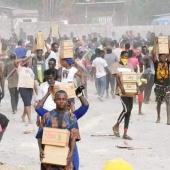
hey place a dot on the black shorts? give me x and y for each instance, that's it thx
(26, 95)
(162, 93)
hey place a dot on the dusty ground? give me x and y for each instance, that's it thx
(150, 139)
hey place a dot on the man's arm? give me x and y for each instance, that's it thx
(42, 101)
(1, 83)
(119, 83)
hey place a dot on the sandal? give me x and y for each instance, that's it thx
(116, 131)
(127, 137)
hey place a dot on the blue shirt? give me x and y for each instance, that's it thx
(20, 52)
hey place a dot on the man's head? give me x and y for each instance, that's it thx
(162, 58)
(12, 56)
(61, 100)
(127, 46)
(20, 43)
(3, 124)
(67, 62)
(52, 63)
(55, 47)
(124, 57)
(144, 50)
(50, 77)
(39, 53)
(108, 50)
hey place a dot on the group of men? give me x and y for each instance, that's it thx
(103, 60)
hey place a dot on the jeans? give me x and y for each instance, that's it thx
(14, 93)
(110, 79)
(101, 85)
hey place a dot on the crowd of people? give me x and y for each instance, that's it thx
(33, 73)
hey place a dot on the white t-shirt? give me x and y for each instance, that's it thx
(49, 103)
(68, 74)
(117, 52)
(100, 64)
(55, 56)
(25, 77)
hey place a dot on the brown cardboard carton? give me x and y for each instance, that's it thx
(40, 44)
(56, 137)
(66, 50)
(129, 77)
(55, 155)
(130, 88)
(163, 45)
(69, 88)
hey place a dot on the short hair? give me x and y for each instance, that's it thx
(52, 59)
(127, 46)
(61, 92)
(108, 50)
(54, 43)
(50, 72)
(20, 42)
(123, 53)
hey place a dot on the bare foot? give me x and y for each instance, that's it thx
(158, 120)
(116, 131)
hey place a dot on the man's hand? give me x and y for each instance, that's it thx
(41, 155)
(69, 159)
(79, 90)
(123, 91)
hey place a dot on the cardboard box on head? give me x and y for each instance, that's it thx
(161, 45)
(66, 49)
(69, 88)
(39, 41)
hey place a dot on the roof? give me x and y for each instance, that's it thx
(25, 13)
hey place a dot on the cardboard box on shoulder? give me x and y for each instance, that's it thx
(55, 155)
(55, 137)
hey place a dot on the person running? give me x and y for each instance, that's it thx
(126, 101)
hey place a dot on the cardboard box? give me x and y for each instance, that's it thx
(66, 50)
(129, 77)
(69, 88)
(163, 45)
(55, 155)
(130, 88)
(40, 44)
(55, 137)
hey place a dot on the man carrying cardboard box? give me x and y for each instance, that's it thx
(60, 118)
(80, 112)
(127, 101)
